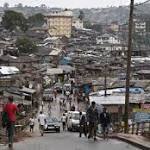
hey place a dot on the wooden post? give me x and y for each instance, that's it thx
(143, 126)
(137, 129)
(133, 125)
(149, 127)
(128, 66)
(105, 81)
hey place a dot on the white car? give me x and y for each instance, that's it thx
(73, 120)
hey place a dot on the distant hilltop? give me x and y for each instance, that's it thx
(95, 15)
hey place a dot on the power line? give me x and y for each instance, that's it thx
(147, 1)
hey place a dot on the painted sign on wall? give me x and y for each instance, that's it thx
(141, 115)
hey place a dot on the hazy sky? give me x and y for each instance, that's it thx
(70, 3)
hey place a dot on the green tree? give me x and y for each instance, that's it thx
(19, 5)
(43, 6)
(6, 5)
(81, 15)
(14, 20)
(97, 27)
(87, 24)
(25, 45)
(36, 20)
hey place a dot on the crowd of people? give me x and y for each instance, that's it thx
(92, 119)
(88, 123)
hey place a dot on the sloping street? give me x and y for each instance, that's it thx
(69, 141)
(75, 75)
(66, 140)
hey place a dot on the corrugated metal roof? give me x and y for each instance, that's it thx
(54, 71)
(117, 99)
(55, 52)
(27, 90)
(108, 100)
(66, 68)
(8, 70)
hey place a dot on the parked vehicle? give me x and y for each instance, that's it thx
(48, 95)
(52, 124)
(73, 119)
(58, 87)
(67, 89)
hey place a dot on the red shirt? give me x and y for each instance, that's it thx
(11, 110)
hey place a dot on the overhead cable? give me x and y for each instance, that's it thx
(139, 4)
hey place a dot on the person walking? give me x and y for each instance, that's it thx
(49, 108)
(64, 106)
(83, 125)
(60, 105)
(42, 104)
(42, 122)
(10, 110)
(64, 120)
(92, 118)
(32, 122)
(55, 94)
(73, 108)
(105, 122)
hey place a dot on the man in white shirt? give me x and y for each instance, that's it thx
(64, 119)
(32, 124)
(42, 105)
(42, 122)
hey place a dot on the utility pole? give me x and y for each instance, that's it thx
(105, 81)
(129, 53)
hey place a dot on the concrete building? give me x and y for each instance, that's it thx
(114, 49)
(107, 38)
(142, 24)
(60, 23)
(139, 25)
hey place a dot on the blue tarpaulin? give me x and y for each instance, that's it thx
(141, 117)
(86, 88)
(134, 90)
(65, 61)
